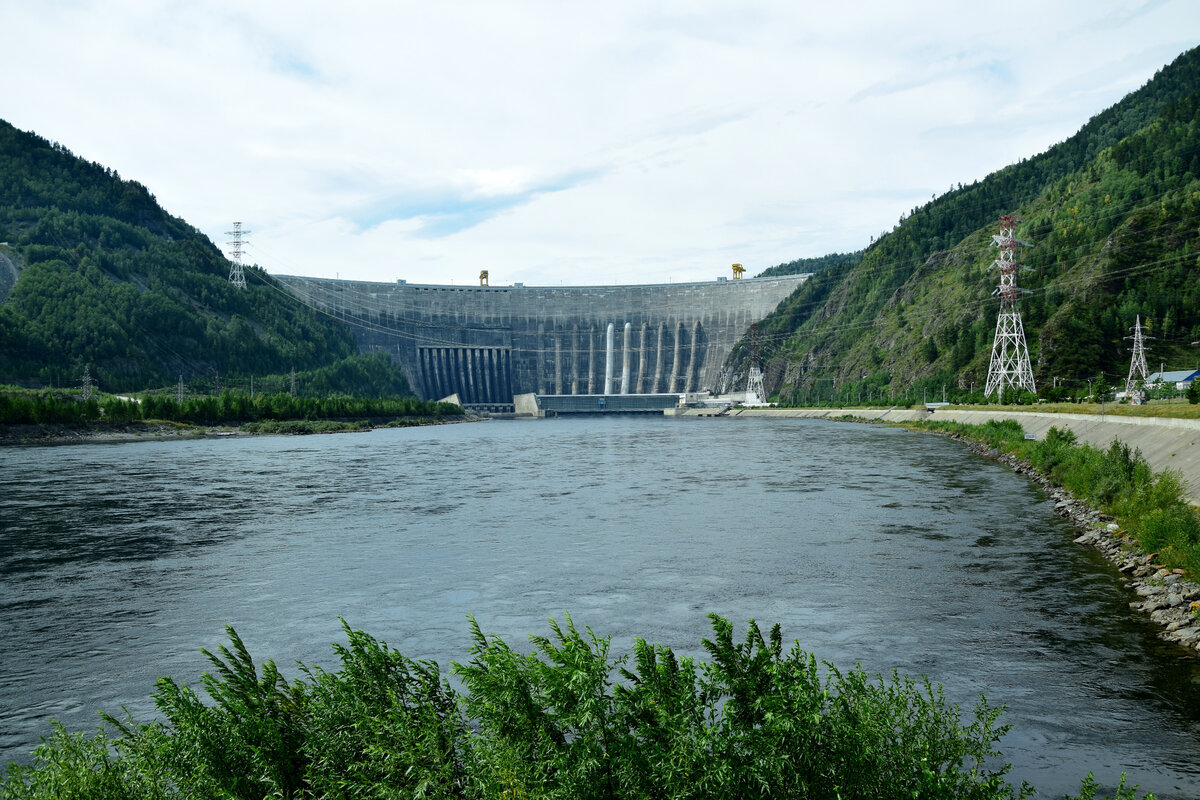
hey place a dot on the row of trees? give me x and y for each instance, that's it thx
(57, 408)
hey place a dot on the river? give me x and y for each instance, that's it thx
(873, 545)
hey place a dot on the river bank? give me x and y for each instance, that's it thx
(1165, 595)
(128, 432)
(1165, 442)
(159, 430)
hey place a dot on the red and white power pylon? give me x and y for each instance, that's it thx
(1009, 367)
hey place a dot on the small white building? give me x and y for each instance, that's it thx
(1181, 378)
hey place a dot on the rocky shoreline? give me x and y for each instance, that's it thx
(1170, 600)
(150, 431)
(128, 432)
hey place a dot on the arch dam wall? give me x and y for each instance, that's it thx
(488, 343)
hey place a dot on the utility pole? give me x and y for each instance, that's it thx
(1009, 366)
(179, 390)
(1137, 364)
(293, 381)
(236, 276)
(88, 386)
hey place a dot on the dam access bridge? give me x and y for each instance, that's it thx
(489, 343)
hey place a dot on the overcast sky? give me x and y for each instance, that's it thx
(563, 142)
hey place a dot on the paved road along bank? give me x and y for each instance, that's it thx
(1165, 443)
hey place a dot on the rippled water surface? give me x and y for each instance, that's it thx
(894, 549)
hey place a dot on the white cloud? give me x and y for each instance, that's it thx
(553, 142)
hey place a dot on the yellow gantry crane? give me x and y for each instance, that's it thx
(483, 279)
(738, 269)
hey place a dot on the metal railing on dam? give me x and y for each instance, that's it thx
(488, 343)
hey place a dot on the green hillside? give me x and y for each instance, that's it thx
(93, 272)
(1111, 217)
(801, 265)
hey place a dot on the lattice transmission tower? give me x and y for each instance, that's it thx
(1137, 365)
(236, 276)
(756, 393)
(1009, 367)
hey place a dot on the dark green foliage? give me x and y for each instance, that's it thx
(20, 407)
(248, 742)
(74, 766)
(384, 725)
(787, 731)
(548, 720)
(361, 375)
(755, 722)
(110, 279)
(802, 265)
(1000, 432)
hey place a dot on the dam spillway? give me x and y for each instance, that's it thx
(489, 343)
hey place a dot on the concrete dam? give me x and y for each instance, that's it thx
(489, 343)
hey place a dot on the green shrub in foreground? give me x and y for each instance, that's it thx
(568, 720)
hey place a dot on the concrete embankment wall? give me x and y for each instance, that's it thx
(1165, 443)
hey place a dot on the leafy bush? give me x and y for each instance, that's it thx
(1056, 449)
(1000, 432)
(568, 720)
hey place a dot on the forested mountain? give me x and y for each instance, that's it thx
(802, 265)
(1111, 218)
(110, 281)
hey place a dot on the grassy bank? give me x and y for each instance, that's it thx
(569, 720)
(1171, 409)
(1117, 481)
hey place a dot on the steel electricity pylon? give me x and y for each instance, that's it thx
(236, 276)
(1137, 365)
(1009, 367)
(756, 393)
